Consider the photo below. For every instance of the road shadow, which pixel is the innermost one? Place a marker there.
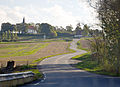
(62, 75)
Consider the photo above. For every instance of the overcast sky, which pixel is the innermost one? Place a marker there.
(54, 12)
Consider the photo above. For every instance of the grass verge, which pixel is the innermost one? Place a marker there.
(90, 65)
(32, 68)
(86, 63)
(79, 46)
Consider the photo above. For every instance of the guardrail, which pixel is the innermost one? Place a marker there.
(14, 79)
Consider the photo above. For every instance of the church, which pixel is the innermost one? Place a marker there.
(26, 28)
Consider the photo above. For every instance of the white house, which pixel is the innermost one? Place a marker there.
(78, 36)
(32, 30)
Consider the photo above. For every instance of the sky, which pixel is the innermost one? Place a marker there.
(54, 12)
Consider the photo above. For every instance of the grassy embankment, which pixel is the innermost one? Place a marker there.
(33, 68)
(87, 63)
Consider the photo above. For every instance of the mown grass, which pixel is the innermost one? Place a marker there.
(86, 63)
(90, 65)
(21, 50)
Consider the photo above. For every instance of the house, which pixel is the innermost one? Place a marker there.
(31, 30)
(78, 36)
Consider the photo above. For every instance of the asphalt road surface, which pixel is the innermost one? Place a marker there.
(59, 73)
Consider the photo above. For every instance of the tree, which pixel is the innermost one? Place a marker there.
(53, 33)
(6, 35)
(86, 30)
(48, 30)
(38, 27)
(12, 36)
(69, 28)
(61, 29)
(15, 34)
(22, 28)
(9, 35)
(109, 16)
(6, 26)
(3, 36)
(78, 29)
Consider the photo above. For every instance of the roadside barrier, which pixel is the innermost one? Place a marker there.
(14, 79)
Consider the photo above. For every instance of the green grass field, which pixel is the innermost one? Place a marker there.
(31, 52)
(20, 50)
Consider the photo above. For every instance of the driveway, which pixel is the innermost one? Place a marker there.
(59, 73)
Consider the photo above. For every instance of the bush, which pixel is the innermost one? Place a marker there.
(24, 67)
(68, 39)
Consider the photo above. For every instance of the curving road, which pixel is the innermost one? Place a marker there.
(59, 73)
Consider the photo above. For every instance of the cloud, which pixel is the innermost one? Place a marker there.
(12, 1)
(10, 15)
(60, 16)
(56, 14)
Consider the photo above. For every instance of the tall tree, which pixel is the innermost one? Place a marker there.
(109, 16)
(38, 27)
(69, 28)
(47, 29)
(86, 30)
(15, 34)
(9, 35)
(3, 36)
(6, 26)
(22, 28)
(78, 29)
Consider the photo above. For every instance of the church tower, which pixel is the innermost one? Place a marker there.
(23, 20)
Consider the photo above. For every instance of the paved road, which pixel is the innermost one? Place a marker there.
(58, 73)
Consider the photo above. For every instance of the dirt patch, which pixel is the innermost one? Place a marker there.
(85, 44)
(52, 49)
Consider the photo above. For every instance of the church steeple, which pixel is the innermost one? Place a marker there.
(24, 20)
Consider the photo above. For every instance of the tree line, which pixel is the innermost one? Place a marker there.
(107, 46)
(9, 31)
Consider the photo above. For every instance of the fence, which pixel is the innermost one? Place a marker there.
(14, 79)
